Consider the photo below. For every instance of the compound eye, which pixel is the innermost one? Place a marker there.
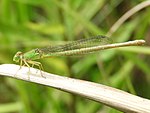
(19, 53)
(18, 56)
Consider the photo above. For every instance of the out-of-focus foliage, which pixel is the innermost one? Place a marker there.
(28, 24)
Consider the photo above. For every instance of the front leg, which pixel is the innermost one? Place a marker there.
(21, 64)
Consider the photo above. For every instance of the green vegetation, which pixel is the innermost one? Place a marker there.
(28, 24)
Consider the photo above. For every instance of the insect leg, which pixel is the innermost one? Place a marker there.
(19, 68)
(37, 64)
(28, 67)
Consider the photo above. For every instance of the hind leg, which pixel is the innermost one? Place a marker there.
(37, 64)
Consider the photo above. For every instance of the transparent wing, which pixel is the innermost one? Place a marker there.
(82, 43)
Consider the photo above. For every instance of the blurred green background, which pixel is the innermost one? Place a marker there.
(28, 24)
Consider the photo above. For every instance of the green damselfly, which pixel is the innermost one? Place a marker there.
(79, 47)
